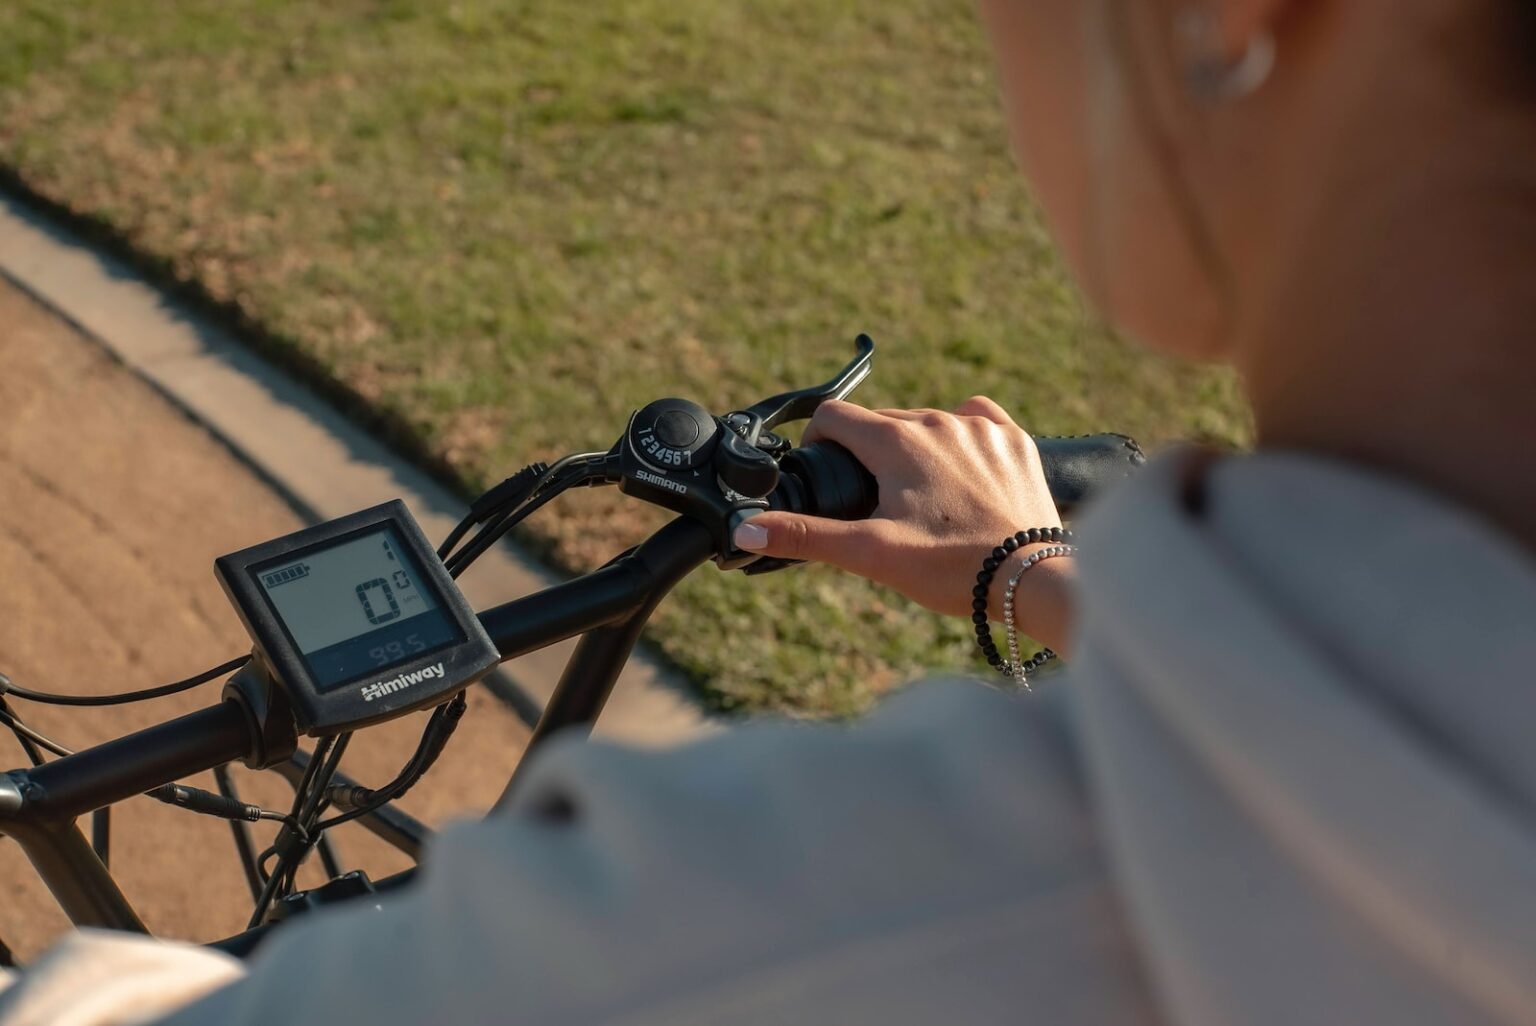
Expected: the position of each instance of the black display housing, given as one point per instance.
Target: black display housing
(325, 708)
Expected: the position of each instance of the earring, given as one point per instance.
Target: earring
(1210, 76)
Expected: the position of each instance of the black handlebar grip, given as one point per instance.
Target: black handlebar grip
(1078, 468)
(826, 479)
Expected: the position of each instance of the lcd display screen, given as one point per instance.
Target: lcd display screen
(356, 606)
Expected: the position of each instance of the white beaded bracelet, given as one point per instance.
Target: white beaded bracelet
(1016, 666)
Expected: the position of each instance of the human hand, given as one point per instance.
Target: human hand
(952, 486)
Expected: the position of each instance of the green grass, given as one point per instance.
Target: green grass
(506, 225)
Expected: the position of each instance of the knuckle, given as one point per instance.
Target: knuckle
(826, 416)
(982, 407)
(795, 538)
(839, 410)
(1028, 449)
(830, 421)
(1027, 442)
(992, 434)
(842, 421)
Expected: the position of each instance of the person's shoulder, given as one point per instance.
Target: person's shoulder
(945, 839)
(936, 860)
(950, 751)
(950, 783)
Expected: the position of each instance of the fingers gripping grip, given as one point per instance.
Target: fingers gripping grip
(826, 480)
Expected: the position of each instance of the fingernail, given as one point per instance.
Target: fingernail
(751, 537)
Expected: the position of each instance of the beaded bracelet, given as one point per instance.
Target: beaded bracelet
(1054, 535)
(1022, 668)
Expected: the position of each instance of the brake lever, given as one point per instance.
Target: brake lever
(802, 403)
(719, 471)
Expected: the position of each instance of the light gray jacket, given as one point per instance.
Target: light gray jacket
(1291, 778)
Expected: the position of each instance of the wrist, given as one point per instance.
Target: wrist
(1042, 600)
(1008, 661)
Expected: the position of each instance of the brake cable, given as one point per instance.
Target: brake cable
(7, 687)
(21, 730)
(512, 491)
(359, 801)
(32, 750)
(283, 846)
(493, 531)
(293, 845)
(314, 805)
(515, 499)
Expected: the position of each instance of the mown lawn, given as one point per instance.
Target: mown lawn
(506, 225)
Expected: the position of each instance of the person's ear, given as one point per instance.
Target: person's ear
(1241, 24)
(1227, 47)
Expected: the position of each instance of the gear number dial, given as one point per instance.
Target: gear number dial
(673, 434)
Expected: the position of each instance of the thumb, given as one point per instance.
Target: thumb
(842, 543)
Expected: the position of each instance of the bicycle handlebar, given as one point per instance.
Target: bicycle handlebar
(227, 732)
(608, 607)
(823, 479)
(1077, 468)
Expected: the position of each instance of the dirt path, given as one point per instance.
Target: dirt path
(112, 507)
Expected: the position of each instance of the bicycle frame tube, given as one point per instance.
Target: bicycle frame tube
(664, 560)
(667, 557)
(68, 866)
(38, 806)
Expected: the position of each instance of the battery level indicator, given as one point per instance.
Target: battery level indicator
(286, 574)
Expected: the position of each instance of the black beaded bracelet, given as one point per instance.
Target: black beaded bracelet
(1052, 535)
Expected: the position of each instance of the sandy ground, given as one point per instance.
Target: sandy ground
(113, 506)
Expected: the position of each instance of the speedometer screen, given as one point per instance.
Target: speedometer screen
(356, 606)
